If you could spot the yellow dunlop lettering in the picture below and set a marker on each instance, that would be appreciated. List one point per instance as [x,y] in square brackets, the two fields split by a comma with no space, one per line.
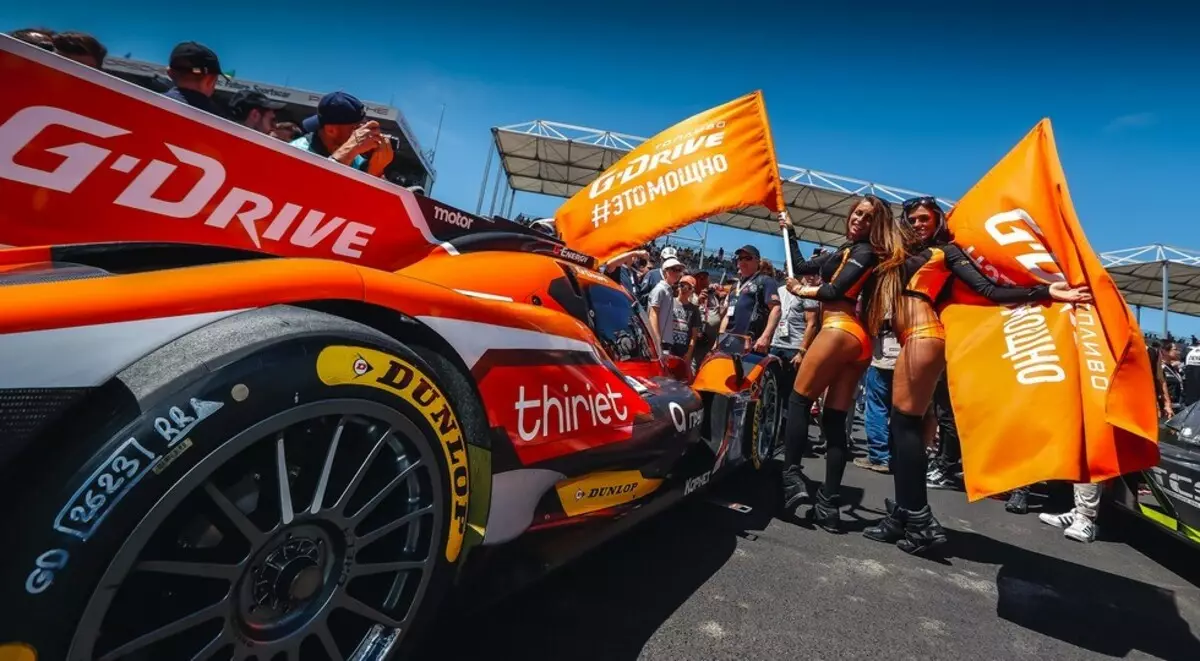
[359,366]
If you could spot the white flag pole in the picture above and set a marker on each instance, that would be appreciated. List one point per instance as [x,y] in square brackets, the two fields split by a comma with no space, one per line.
[787,252]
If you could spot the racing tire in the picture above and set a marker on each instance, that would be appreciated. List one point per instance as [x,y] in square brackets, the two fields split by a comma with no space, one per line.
[280,484]
[763,433]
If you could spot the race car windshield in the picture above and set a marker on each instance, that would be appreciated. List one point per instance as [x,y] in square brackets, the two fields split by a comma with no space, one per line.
[619,330]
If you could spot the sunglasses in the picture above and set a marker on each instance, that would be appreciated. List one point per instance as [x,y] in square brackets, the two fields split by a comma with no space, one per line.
[924,201]
[745,258]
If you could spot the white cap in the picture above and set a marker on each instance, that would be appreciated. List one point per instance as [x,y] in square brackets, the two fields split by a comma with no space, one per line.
[668,253]
[671,262]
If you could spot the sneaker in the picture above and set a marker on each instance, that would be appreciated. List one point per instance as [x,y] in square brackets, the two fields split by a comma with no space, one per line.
[941,478]
[1063,520]
[863,462]
[1081,530]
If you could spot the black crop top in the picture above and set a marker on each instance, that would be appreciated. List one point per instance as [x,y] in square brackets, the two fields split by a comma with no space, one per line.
[843,272]
[929,273]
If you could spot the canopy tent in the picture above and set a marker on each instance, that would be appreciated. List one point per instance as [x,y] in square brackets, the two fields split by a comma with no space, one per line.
[560,159]
[1157,276]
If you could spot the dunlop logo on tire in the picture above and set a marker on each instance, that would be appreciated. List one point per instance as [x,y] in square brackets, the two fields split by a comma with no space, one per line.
[346,365]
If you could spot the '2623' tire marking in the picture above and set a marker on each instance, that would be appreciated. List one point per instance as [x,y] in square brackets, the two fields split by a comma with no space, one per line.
[101,492]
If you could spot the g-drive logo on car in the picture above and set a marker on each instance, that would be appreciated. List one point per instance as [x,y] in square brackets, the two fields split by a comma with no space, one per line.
[81,160]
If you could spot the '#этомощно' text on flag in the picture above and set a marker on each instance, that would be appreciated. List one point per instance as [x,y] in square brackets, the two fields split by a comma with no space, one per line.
[1043,391]
[718,160]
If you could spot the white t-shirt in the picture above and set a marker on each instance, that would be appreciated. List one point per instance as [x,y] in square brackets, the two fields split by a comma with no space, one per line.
[663,298]
[886,348]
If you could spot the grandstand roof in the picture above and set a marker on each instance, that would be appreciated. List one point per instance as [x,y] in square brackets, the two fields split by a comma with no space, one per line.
[1139,274]
[560,159]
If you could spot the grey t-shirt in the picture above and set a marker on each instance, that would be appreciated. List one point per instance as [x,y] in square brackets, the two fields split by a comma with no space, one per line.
[885,351]
[663,298]
[790,332]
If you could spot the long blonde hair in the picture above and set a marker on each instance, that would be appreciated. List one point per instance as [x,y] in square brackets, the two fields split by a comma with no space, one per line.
[893,242]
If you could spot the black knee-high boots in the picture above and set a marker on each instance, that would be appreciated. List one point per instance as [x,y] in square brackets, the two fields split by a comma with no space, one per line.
[910,523]
[795,436]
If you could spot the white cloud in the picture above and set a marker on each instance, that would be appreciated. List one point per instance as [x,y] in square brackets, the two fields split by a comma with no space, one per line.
[1133,121]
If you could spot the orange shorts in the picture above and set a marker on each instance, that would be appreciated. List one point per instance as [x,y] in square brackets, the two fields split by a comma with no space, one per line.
[850,324]
[930,329]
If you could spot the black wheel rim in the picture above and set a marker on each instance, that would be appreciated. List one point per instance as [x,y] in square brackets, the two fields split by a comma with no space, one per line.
[768,405]
[229,565]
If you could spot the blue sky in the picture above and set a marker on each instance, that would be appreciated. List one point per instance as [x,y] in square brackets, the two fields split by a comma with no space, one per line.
[919,95]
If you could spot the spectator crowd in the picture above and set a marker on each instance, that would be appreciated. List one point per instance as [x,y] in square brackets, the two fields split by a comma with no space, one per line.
[339,131]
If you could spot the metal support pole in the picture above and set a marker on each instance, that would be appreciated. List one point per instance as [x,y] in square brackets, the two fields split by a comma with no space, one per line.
[487,169]
[1166,292]
[511,198]
[703,244]
[1137,310]
[496,190]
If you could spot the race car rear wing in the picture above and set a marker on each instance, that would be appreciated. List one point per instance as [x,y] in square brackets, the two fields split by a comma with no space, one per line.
[86,157]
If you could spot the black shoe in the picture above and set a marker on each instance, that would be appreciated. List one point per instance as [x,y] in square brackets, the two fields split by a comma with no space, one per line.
[943,476]
[1018,502]
[825,513]
[889,529]
[794,489]
[922,532]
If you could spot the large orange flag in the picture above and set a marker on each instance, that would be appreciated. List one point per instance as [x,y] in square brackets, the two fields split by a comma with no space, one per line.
[1052,391]
[718,160]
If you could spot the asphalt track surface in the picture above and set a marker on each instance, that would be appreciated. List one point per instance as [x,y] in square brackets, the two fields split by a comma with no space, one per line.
[702,582]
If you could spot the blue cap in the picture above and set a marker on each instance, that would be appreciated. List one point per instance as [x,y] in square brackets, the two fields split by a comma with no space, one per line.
[310,124]
[339,108]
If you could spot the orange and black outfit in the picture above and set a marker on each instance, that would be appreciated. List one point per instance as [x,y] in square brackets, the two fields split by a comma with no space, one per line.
[929,274]
[844,275]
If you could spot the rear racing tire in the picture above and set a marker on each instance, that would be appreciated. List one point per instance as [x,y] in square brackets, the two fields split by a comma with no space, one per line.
[762,434]
[283,481]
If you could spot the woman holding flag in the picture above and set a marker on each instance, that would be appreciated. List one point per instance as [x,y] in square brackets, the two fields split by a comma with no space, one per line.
[909,292]
[840,352]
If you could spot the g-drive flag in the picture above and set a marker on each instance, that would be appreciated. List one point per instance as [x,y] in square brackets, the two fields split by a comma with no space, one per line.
[718,160]
[1051,391]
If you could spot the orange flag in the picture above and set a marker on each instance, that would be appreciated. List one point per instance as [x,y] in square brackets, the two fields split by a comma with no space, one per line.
[1051,391]
[718,160]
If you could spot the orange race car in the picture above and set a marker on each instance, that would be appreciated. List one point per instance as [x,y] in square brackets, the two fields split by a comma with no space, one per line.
[255,403]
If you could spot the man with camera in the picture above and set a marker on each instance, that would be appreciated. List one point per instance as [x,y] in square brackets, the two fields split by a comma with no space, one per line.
[342,133]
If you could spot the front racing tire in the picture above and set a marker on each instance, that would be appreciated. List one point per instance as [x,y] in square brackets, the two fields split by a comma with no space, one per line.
[762,434]
[283,484]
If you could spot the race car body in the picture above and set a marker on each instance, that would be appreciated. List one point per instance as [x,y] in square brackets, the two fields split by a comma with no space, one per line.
[1168,494]
[256,403]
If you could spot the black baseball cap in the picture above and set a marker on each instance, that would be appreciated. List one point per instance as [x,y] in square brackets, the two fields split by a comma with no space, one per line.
[196,58]
[749,250]
[339,108]
[246,100]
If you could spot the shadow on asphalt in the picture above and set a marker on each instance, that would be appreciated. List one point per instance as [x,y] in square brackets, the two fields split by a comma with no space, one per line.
[608,604]
[1089,608]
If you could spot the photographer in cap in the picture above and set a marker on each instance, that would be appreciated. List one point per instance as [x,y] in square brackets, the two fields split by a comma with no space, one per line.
[254,110]
[342,133]
[193,70]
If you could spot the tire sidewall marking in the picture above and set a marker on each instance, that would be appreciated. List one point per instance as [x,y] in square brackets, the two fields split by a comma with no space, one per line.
[339,365]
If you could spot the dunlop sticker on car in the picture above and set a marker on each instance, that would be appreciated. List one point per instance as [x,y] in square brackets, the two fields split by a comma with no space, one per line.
[603,490]
[345,365]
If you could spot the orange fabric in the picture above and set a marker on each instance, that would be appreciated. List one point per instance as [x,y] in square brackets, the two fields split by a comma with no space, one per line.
[718,160]
[856,288]
[931,329]
[850,324]
[1042,392]
[929,280]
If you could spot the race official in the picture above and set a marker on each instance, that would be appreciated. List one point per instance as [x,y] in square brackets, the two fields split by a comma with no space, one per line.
[343,134]
[753,302]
